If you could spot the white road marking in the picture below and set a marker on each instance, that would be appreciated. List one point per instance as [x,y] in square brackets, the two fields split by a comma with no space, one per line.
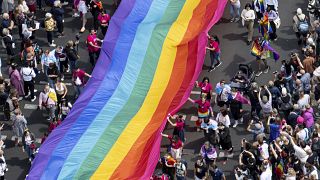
[31,106]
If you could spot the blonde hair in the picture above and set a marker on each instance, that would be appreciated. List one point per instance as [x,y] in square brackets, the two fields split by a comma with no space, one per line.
[5,31]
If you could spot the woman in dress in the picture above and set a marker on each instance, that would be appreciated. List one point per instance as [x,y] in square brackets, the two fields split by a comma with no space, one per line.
[16,80]
[19,125]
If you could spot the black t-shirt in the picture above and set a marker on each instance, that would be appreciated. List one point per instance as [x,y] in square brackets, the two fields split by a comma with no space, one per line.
[200,170]
[53,71]
[280,83]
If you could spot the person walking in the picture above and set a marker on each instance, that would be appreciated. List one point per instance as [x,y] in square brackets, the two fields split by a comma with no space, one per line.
[49,24]
[72,55]
[248,16]
[47,100]
[300,26]
[83,9]
[104,19]
[214,48]
[28,76]
[16,80]
[3,166]
[272,16]
[96,8]
[57,12]
[235,10]
[19,125]
[28,140]
[93,47]
[9,44]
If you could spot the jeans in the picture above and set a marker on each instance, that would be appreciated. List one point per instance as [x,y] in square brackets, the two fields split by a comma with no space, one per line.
[104,30]
[52,111]
[235,11]
[73,65]
[29,152]
[52,83]
[78,90]
[39,3]
[60,27]
[29,85]
[50,36]
[214,57]
[93,57]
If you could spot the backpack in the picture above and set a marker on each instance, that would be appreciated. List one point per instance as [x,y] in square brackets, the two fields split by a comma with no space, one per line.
[303,25]
[306,139]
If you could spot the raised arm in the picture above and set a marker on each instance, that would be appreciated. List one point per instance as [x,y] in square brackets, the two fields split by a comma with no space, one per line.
[191,100]
[164,135]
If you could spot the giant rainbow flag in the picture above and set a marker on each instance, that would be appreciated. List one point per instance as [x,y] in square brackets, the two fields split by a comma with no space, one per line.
[152,54]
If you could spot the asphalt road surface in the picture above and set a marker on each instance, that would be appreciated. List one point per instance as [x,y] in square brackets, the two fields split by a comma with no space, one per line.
[234,51]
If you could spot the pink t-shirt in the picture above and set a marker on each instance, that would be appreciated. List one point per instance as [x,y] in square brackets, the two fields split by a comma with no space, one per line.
[203,107]
[205,87]
[93,39]
[104,19]
[214,44]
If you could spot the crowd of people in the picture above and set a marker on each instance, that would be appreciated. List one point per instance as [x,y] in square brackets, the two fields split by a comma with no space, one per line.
[28,63]
[284,113]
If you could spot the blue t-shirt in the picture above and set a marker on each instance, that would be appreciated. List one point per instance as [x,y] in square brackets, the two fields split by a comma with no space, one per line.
[274,131]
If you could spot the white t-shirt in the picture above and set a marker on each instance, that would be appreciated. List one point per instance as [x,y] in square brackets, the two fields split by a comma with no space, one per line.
[266,175]
[304,101]
[225,120]
[300,153]
[302,134]
[264,150]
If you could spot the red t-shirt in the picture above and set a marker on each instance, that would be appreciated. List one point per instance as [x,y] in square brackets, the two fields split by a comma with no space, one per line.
[93,39]
[80,74]
[214,44]
[205,87]
[203,107]
[104,19]
[179,125]
[175,145]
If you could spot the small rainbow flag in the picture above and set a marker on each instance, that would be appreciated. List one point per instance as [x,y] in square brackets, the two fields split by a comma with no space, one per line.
[151,56]
[270,52]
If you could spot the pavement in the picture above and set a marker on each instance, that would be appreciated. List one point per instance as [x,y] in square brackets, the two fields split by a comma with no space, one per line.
[234,51]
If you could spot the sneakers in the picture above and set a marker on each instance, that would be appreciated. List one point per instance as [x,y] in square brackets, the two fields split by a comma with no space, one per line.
[76,15]
[236,20]
[48,119]
[211,69]
[232,20]
[259,73]
[35,90]
[26,96]
[241,120]
[82,29]
[34,98]
[266,70]
[235,123]
[20,98]
[52,45]
[218,64]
